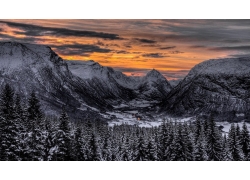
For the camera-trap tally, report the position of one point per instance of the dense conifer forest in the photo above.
(26, 134)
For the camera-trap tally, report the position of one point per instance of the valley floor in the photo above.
(134, 117)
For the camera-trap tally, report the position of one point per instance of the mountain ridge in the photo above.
(218, 86)
(29, 67)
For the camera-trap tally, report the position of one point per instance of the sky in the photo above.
(133, 46)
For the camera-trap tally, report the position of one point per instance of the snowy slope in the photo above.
(151, 87)
(154, 85)
(91, 69)
(29, 67)
(174, 83)
(221, 86)
(102, 81)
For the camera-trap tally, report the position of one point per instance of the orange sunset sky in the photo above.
(134, 47)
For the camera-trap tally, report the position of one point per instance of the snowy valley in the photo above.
(55, 109)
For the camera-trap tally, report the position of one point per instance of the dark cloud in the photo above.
(198, 46)
(230, 48)
(34, 30)
(168, 47)
(149, 41)
(80, 49)
(112, 45)
(122, 52)
(240, 55)
(175, 52)
(154, 55)
(27, 39)
(100, 43)
(150, 45)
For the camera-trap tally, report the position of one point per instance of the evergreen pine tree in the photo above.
(214, 142)
(200, 148)
(227, 155)
(49, 141)
(63, 139)
(126, 152)
(197, 129)
(245, 140)
(106, 150)
(94, 149)
(163, 142)
(189, 143)
(141, 149)
(78, 145)
(238, 133)
(9, 142)
(178, 153)
(170, 140)
(151, 151)
(234, 144)
(34, 114)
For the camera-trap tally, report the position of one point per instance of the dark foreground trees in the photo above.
(27, 135)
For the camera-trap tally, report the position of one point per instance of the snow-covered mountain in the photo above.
(28, 67)
(221, 86)
(154, 86)
(75, 84)
(103, 81)
(115, 85)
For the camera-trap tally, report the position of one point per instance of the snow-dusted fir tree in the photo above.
(151, 151)
(63, 139)
(234, 144)
(78, 146)
(170, 140)
(126, 151)
(163, 142)
(245, 141)
(200, 152)
(178, 147)
(140, 154)
(9, 142)
(238, 133)
(34, 114)
(189, 142)
(94, 149)
(106, 149)
(49, 141)
(197, 129)
(214, 141)
(227, 155)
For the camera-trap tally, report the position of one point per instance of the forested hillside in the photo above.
(26, 134)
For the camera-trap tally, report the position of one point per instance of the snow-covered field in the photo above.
(227, 125)
(128, 118)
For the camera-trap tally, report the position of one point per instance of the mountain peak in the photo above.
(154, 74)
(16, 53)
(223, 66)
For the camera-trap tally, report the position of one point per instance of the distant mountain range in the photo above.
(77, 85)
(220, 86)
